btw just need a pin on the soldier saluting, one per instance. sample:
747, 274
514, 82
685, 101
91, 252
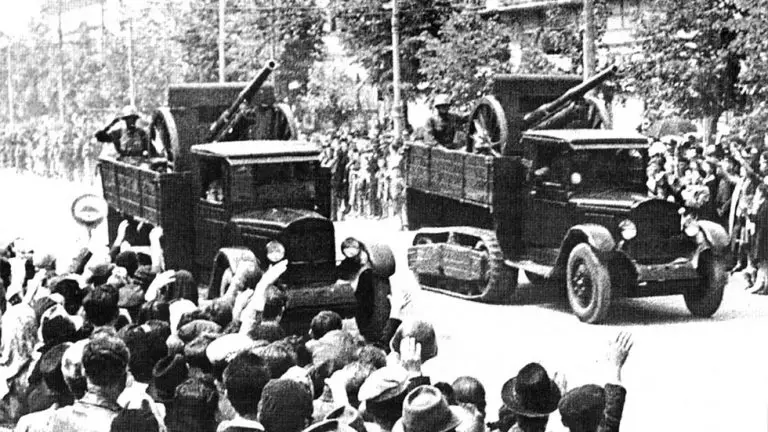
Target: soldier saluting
128, 138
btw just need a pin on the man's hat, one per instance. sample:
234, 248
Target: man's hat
442, 99
129, 111
348, 416
226, 347
167, 374
384, 384
426, 410
531, 393
329, 426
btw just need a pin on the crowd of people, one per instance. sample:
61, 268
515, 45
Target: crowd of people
110, 340
366, 174
725, 182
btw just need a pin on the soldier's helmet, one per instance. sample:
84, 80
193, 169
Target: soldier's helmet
442, 100
266, 95
129, 111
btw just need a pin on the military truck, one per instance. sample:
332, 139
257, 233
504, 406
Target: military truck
568, 207
263, 201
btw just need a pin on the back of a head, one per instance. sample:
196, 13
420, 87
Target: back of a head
105, 360
50, 368
129, 261
286, 406
373, 356
274, 303
581, 409
356, 372
245, 378
324, 322
146, 348
135, 420
469, 390
100, 305
57, 329
154, 310
72, 293
422, 331
277, 358
72, 368
194, 406
185, 287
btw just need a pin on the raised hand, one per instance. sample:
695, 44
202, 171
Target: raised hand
618, 351
410, 356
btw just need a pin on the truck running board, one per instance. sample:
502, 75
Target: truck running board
530, 267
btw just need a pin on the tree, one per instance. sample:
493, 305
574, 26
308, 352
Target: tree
331, 95
366, 31
690, 58
465, 55
291, 31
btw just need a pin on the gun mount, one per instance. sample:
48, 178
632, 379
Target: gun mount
232, 114
525, 102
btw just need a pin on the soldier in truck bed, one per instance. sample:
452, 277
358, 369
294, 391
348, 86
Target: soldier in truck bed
129, 140
443, 126
261, 120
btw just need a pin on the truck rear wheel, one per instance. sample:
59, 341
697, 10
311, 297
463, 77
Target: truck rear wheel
704, 299
589, 285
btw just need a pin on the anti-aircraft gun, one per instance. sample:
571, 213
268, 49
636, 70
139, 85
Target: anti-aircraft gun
536, 102
559, 196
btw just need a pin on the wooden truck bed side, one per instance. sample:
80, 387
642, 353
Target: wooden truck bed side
493, 184
466, 177
162, 199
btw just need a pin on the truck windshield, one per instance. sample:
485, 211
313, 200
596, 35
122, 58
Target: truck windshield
624, 167
274, 185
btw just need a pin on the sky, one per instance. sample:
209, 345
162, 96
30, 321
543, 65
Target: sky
16, 14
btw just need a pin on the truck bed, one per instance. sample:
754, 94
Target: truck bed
162, 199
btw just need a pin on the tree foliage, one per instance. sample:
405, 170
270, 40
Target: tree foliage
690, 58
291, 32
366, 29
465, 55
331, 95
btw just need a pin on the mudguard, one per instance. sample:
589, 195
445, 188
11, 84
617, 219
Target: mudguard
380, 258
717, 239
595, 235
227, 259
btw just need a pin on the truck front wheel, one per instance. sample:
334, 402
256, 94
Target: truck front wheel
589, 285
704, 299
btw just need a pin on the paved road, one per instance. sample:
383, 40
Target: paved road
684, 374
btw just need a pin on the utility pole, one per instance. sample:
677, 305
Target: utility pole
9, 64
397, 113
131, 76
222, 54
589, 39
61, 65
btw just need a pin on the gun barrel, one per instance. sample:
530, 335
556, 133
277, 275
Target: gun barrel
572, 94
246, 94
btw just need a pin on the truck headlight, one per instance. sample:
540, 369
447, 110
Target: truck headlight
688, 223
628, 229
350, 248
275, 251
691, 228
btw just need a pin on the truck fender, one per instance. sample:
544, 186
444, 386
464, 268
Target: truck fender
380, 257
716, 237
227, 259
595, 235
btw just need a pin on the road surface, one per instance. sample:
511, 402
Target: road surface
684, 373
